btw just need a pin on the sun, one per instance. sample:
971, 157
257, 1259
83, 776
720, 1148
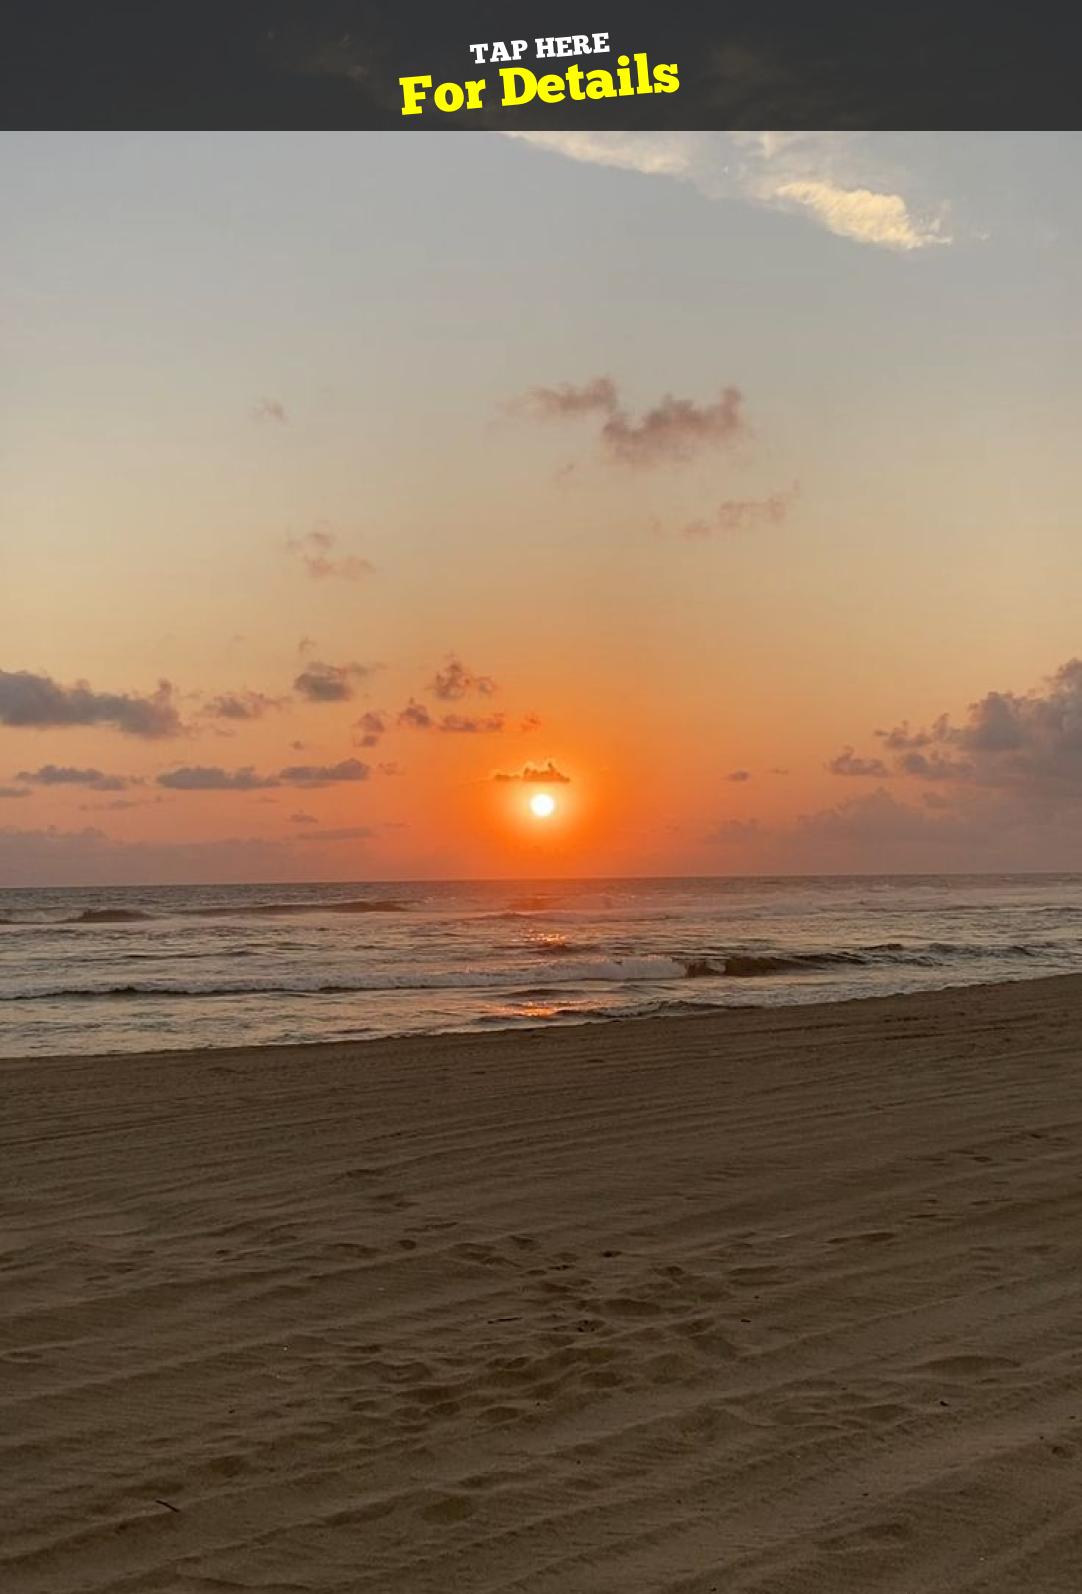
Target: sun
542, 805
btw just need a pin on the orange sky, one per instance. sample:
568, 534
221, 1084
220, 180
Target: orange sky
693, 486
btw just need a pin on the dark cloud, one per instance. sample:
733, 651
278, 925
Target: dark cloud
348, 833
213, 778
121, 805
350, 769
848, 762
933, 766
329, 683
455, 681
742, 514
902, 738
316, 551
415, 717
14, 791
530, 722
472, 725
543, 775
673, 430
240, 705
372, 726
203, 777
64, 775
37, 700
270, 409
739, 775
1028, 742
302, 818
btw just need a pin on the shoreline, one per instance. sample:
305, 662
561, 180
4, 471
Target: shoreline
781, 1301
411, 1040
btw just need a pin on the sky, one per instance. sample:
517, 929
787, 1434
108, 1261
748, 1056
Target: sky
358, 487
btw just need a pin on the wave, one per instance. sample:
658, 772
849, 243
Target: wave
254, 910
603, 970
565, 971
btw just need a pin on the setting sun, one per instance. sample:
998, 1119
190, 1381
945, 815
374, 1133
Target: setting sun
542, 805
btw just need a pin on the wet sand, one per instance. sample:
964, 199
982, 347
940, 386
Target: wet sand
774, 1301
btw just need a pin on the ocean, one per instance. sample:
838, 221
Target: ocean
144, 968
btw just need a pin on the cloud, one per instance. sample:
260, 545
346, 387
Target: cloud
933, 766
851, 184
329, 683
415, 717
545, 775
672, 431
202, 777
240, 705
315, 551
121, 805
653, 154
270, 409
14, 791
39, 701
848, 763
902, 737
861, 214
347, 833
372, 725
471, 725
567, 399
1029, 742
64, 775
742, 514
301, 818
350, 769
454, 681
739, 776
530, 722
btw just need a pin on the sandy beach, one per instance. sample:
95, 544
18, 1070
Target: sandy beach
772, 1301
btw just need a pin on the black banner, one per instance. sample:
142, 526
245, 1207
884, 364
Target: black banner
339, 64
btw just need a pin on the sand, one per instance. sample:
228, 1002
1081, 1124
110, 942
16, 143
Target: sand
775, 1301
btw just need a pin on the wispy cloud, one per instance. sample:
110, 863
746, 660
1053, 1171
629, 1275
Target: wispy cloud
317, 552
845, 182
270, 409
742, 514
240, 705
419, 717
674, 429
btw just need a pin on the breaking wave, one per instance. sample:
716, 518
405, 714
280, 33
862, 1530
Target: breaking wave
537, 978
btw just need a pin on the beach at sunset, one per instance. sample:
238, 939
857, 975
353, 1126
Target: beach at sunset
769, 1301
540, 830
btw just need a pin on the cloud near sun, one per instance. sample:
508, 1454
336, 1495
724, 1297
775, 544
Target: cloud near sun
534, 775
